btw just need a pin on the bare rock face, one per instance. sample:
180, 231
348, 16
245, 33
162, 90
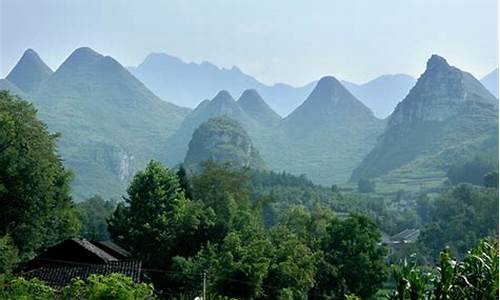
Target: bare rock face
126, 170
441, 92
222, 140
448, 115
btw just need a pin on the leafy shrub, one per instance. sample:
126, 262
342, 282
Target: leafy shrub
22, 289
476, 277
366, 186
115, 286
97, 287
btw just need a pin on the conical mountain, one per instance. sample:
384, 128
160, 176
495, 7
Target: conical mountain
329, 134
253, 104
111, 124
222, 140
329, 105
223, 104
29, 72
447, 117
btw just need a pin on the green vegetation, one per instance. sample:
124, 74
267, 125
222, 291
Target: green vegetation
111, 124
473, 171
277, 191
9, 256
221, 232
451, 119
250, 233
475, 277
222, 140
96, 287
93, 215
157, 222
29, 73
491, 179
35, 198
114, 286
331, 128
366, 186
353, 258
458, 219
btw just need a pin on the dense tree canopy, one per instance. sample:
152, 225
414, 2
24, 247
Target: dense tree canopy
221, 233
93, 214
36, 206
157, 222
459, 218
472, 171
353, 253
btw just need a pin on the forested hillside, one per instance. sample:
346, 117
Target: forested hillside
111, 124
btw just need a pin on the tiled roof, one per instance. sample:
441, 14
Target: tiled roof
112, 249
95, 250
80, 258
406, 236
59, 274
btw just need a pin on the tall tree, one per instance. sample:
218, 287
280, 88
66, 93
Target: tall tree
157, 222
237, 265
36, 206
292, 268
224, 190
353, 254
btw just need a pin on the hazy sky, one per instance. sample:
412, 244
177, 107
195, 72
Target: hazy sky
275, 41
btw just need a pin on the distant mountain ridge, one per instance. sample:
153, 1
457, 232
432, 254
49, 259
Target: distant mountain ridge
173, 80
383, 93
447, 117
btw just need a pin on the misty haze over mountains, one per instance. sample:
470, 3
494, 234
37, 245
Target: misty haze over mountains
172, 80
112, 123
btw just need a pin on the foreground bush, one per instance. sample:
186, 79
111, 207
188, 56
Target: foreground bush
97, 287
476, 277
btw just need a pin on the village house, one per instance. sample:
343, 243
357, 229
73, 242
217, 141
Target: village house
81, 258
